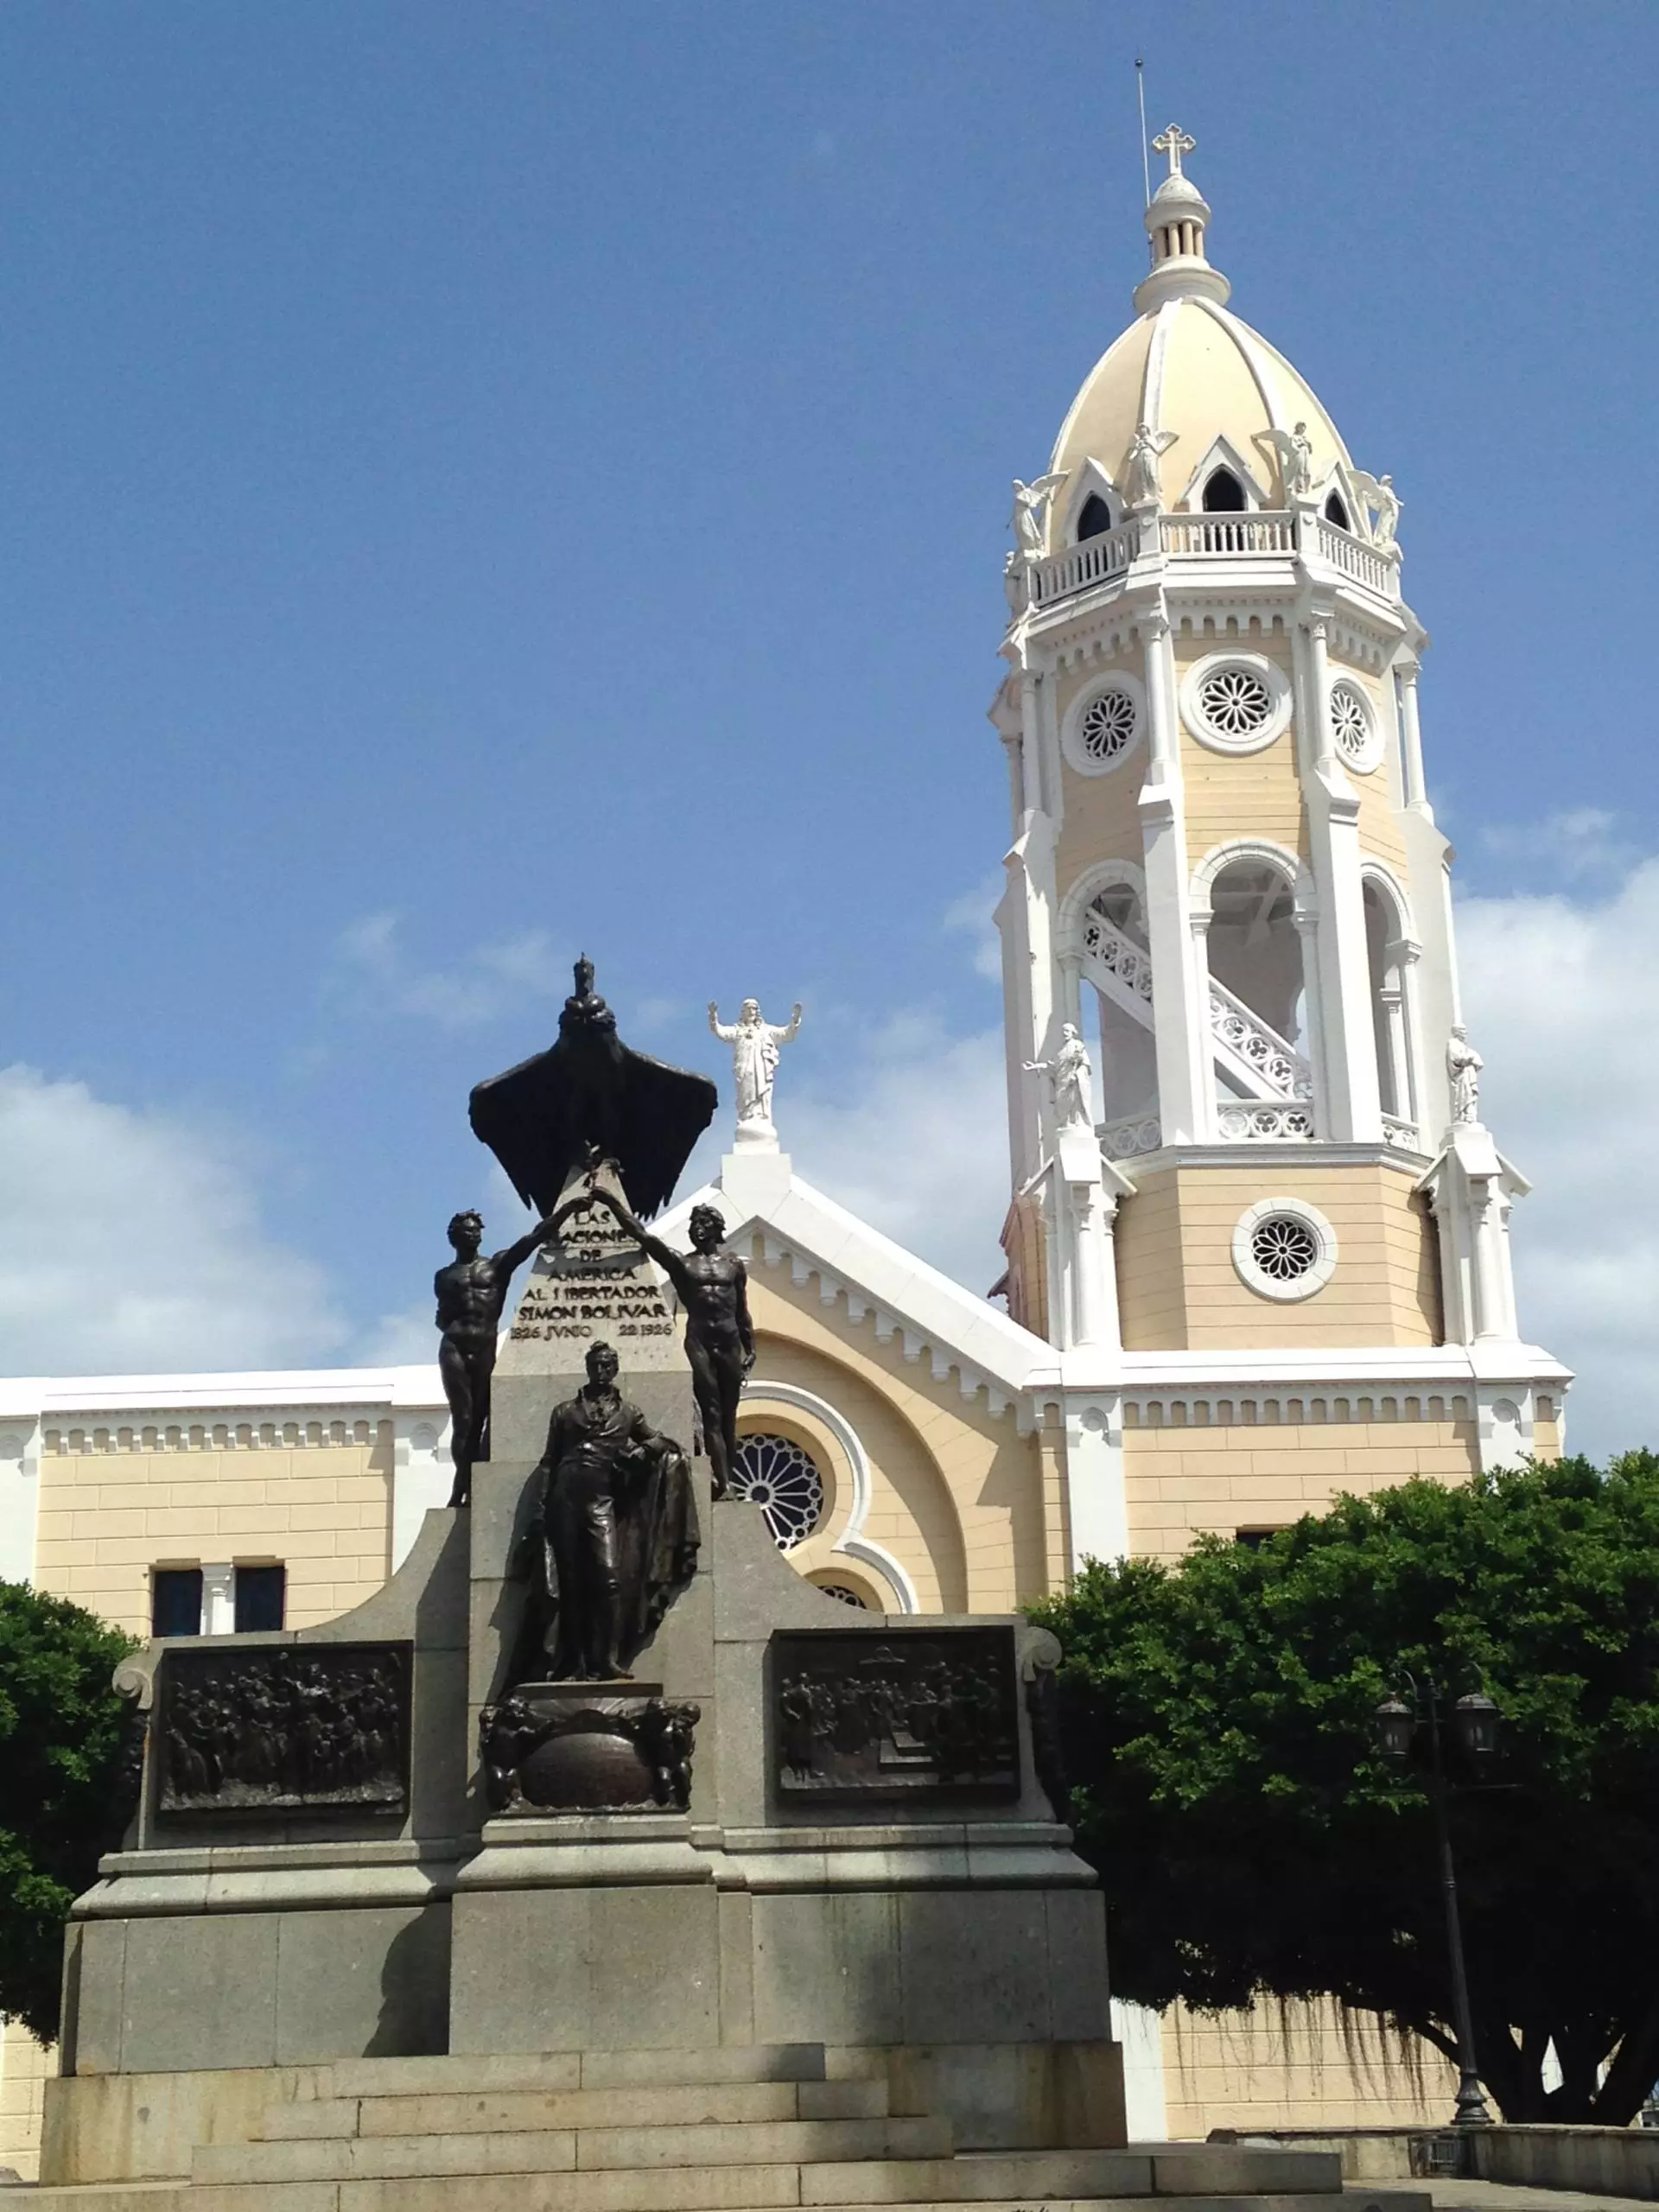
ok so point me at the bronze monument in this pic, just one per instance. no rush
(613, 1537)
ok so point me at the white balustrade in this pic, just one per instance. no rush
(1135, 1133)
(1405, 1135)
(1254, 1049)
(1239, 1124)
(1251, 535)
(1233, 534)
(1091, 562)
(1355, 559)
(1118, 965)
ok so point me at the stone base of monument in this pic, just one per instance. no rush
(788, 1919)
(736, 2130)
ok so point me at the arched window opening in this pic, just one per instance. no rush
(1223, 494)
(1096, 519)
(1387, 981)
(1335, 511)
(1255, 951)
(1120, 1043)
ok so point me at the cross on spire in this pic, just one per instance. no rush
(1175, 142)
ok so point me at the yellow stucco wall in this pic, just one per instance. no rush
(1248, 2070)
(111, 1510)
(1184, 1477)
(957, 1494)
(1179, 1290)
(24, 2066)
(1246, 794)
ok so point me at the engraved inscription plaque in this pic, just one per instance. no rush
(287, 1727)
(592, 1283)
(858, 1716)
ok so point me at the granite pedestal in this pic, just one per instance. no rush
(862, 1856)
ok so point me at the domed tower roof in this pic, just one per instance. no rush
(1191, 371)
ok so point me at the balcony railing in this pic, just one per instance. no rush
(1240, 535)
(1094, 561)
(1275, 534)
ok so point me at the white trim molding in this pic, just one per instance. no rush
(1248, 668)
(1256, 1277)
(852, 1542)
(20, 1495)
(1299, 879)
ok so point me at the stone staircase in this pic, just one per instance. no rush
(730, 2130)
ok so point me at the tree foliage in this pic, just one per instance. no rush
(63, 1744)
(1217, 1720)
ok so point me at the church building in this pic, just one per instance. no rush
(1257, 1233)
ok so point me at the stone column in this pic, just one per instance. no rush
(1349, 1042)
(218, 1600)
(20, 1490)
(1183, 1074)
(1411, 742)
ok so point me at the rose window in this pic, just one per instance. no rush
(1350, 727)
(1107, 729)
(775, 1474)
(1284, 1247)
(1236, 701)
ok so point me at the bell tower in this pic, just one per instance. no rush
(1226, 881)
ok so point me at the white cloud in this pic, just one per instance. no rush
(1562, 998)
(370, 967)
(971, 915)
(1565, 848)
(406, 1340)
(130, 1241)
(920, 1149)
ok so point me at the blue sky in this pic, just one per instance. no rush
(482, 482)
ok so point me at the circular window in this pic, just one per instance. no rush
(1107, 725)
(1235, 703)
(1284, 1248)
(774, 1473)
(845, 1591)
(1353, 728)
(1102, 725)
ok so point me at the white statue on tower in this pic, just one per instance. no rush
(1070, 1078)
(1463, 1065)
(755, 1045)
(1378, 492)
(1147, 448)
(1293, 451)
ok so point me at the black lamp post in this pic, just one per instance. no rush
(1474, 1724)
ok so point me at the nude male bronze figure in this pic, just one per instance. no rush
(471, 1293)
(714, 1287)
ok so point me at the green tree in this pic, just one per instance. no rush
(1218, 1719)
(64, 1741)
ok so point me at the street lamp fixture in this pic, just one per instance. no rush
(1473, 1724)
(1396, 1724)
(1474, 1719)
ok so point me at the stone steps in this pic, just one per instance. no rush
(603, 2069)
(527, 2111)
(728, 2130)
(967, 2178)
(588, 2150)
